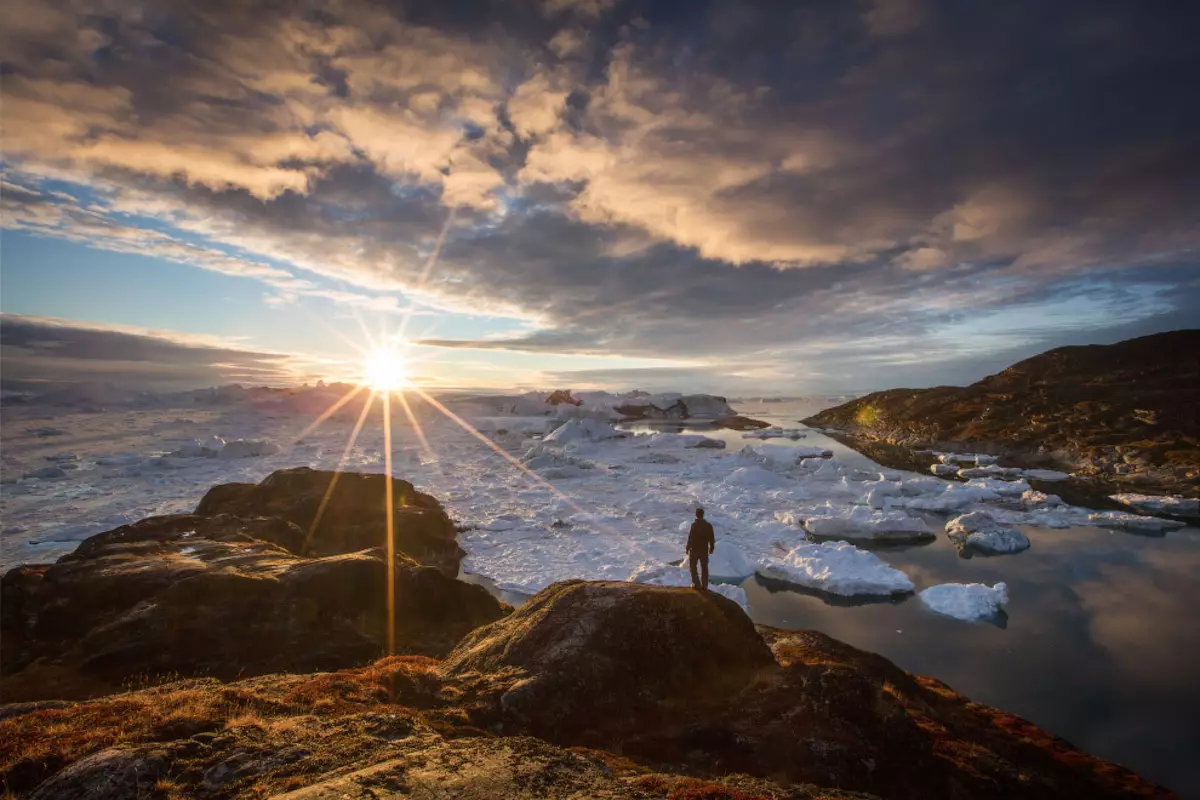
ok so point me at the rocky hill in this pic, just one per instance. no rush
(236, 653)
(1126, 413)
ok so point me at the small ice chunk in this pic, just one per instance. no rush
(1045, 475)
(857, 522)
(1166, 504)
(990, 471)
(838, 568)
(248, 448)
(956, 458)
(981, 532)
(1000, 487)
(1133, 522)
(775, 433)
(729, 563)
(966, 601)
(943, 469)
(1033, 497)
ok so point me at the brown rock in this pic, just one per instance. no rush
(354, 517)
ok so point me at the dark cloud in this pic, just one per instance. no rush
(706, 180)
(39, 351)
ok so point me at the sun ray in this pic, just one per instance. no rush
(416, 426)
(391, 524)
(429, 264)
(329, 412)
(337, 471)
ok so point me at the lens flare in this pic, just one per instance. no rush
(385, 371)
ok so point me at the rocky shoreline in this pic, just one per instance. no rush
(1122, 417)
(257, 629)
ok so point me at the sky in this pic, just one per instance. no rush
(735, 197)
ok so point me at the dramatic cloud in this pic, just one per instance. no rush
(39, 352)
(842, 187)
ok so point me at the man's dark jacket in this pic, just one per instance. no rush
(701, 538)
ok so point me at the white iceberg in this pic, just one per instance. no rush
(838, 568)
(980, 531)
(990, 471)
(858, 522)
(785, 455)
(954, 497)
(943, 469)
(966, 601)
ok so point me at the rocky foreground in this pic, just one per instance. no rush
(236, 652)
(1127, 414)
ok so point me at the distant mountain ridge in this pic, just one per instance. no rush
(1126, 412)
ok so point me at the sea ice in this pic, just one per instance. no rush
(1000, 487)
(591, 430)
(954, 497)
(785, 455)
(990, 471)
(838, 568)
(858, 522)
(943, 469)
(47, 473)
(775, 433)
(757, 477)
(1167, 504)
(1044, 475)
(1133, 522)
(981, 532)
(729, 563)
(966, 601)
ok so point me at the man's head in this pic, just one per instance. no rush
(699, 513)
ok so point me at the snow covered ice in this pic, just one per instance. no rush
(969, 601)
(837, 568)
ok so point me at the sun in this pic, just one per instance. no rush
(385, 371)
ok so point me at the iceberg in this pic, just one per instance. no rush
(981, 532)
(582, 429)
(785, 455)
(838, 568)
(966, 601)
(954, 497)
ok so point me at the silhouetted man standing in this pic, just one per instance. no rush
(700, 544)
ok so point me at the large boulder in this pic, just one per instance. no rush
(354, 516)
(580, 656)
(217, 596)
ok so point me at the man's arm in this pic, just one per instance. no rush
(712, 539)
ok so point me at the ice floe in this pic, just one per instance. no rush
(966, 601)
(981, 532)
(1168, 504)
(775, 433)
(866, 524)
(838, 568)
(1001, 487)
(1134, 523)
